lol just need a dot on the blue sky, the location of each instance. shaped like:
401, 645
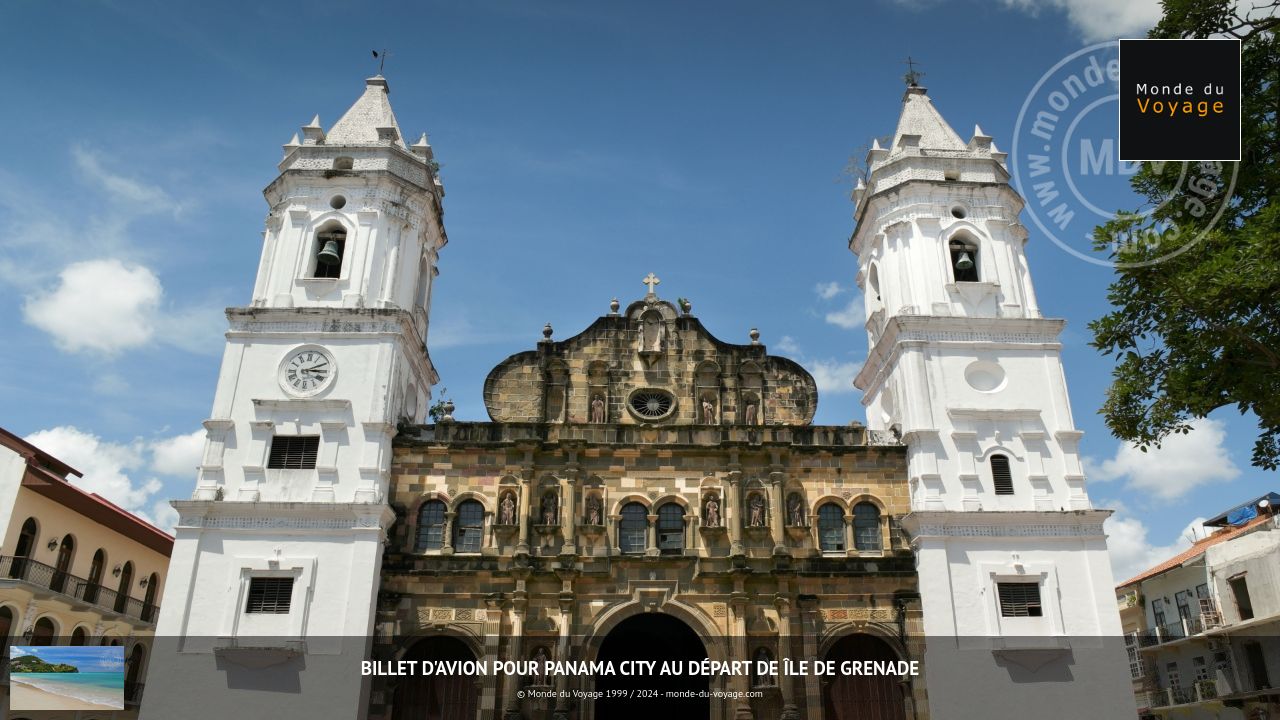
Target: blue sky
582, 146
87, 659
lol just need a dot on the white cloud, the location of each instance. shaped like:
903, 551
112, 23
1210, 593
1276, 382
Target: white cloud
833, 377
1132, 552
787, 345
149, 198
850, 317
828, 290
1098, 20
106, 466
100, 305
119, 471
178, 455
1180, 464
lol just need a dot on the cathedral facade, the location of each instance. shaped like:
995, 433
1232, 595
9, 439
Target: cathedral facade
643, 490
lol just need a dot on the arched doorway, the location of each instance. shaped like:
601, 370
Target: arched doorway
62, 566
863, 697
122, 594
655, 637
42, 632
133, 672
6, 627
22, 551
95, 576
149, 602
436, 697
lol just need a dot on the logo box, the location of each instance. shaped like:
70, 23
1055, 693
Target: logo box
1180, 100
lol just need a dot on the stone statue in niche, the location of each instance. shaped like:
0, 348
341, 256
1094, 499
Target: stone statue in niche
795, 508
762, 657
549, 514
540, 667
749, 412
654, 333
507, 510
708, 412
756, 517
711, 513
594, 510
597, 409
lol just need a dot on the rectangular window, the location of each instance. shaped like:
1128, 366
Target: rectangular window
1019, 599
1182, 599
1240, 588
294, 452
1200, 667
1157, 612
269, 595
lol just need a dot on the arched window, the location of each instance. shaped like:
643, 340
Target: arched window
866, 526
671, 529
122, 594
873, 281
1001, 477
133, 669
430, 526
149, 601
468, 527
62, 566
6, 627
95, 576
22, 551
78, 636
633, 529
831, 528
964, 259
331, 241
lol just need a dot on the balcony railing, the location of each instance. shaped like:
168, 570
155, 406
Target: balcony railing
1181, 628
1200, 691
77, 588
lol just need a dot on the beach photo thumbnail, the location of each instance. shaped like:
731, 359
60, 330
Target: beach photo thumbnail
66, 678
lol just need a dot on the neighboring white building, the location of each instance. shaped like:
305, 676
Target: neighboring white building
1015, 580
1209, 647
270, 603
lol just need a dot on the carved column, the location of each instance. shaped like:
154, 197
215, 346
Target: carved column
562, 704
446, 542
776, 517
849, 548
569, 508
742, 683
652, 550
789, 709
512, 682
730, 512
809, 617
523, 547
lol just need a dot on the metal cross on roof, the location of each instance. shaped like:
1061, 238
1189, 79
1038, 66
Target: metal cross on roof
651, 280
913, 76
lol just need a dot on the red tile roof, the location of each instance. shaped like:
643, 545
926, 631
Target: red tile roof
1196, 550
46, 475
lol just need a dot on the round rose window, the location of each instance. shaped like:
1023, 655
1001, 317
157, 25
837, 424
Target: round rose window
651, 404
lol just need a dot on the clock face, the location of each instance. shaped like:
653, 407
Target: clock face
307, 371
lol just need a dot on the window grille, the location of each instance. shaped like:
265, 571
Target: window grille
1019, 599
294, 452
633, 528
671, 529
468, 527
831, 528
1001, 477
866, 526
430, 526
269, 595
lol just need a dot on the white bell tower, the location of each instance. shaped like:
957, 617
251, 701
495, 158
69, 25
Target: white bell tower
275, 570
1015, 580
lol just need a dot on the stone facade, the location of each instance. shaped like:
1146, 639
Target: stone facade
556, 565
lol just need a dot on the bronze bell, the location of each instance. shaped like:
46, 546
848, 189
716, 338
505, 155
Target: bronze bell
329, 255
964, 262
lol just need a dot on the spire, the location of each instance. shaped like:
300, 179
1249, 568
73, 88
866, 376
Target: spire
921, 121
370, 120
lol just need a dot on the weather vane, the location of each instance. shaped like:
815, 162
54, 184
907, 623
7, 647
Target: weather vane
381, 57
913, 75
